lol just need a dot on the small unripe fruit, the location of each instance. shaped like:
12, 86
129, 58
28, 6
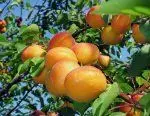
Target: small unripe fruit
103, 60
86, 53
85, 83
61, 39
121, 23
40, 79
59, 53
138, 36
129, 110
136, 97
32, 51
55, 80
110, 37
94, 20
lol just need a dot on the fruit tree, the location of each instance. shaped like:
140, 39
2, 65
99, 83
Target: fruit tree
74, 58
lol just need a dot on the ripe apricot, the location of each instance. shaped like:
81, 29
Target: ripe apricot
103, 60
86, 53
2, 23
58, 53
38, 113
85, 83
55, 80
94, 20
41, 77
138, 36
129, 110
110, 37
121, 23
61, 39
32, 51
3, 30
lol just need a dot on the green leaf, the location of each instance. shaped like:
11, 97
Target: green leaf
126, 88
133, 7
144, 28
117, 114
73, 28
35, 70
146, 74
136, 66
101, 104
20, 46
81, 107
141, 81
2, 37
30, 32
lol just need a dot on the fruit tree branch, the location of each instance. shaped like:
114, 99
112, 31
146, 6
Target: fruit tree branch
24, 97
8, 86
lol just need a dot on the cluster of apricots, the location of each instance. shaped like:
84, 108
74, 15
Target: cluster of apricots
69, 67
113, 34
2, 26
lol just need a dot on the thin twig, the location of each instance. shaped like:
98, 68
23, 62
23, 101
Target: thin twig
24, 97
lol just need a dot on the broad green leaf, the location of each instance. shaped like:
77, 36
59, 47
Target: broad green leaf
145, 29
20, 46
81, 107
30, 32
35, 70
101, 104
141, 81
133, 7
146, 74
125, 87
117, 114
2, 37
140, 61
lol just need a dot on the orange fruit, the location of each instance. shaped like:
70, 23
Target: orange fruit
58, 53
55, 80
110, 37
32, 51
86, 53
94, 20
121, 23
138, 36
103, 60
85, 83
61, 39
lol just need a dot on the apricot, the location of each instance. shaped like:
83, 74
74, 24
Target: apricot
86, 53
110, 37
52, 114
38, 113
103, 60
55, 81
94, 20
121, 23
136, 97
3, 30
129, 110
58, 53
32, 51
85, 83
138, 36
2, 23
40, 79
61, 39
